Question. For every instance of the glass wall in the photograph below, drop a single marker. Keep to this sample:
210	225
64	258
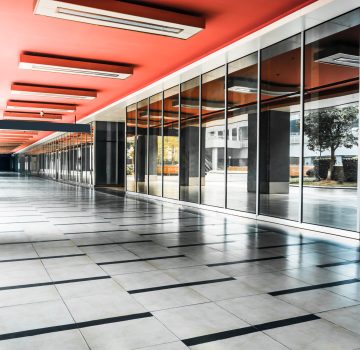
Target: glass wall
155	145
67	158
171	143
141	147
279	129
130	148
331	123
276	137
213	138
242	89
190	141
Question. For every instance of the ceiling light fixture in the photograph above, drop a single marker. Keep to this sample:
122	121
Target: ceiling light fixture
52	92
74	66
123	15
40	107
28	115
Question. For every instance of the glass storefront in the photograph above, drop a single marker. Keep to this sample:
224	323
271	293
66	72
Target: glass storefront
274	133
67	158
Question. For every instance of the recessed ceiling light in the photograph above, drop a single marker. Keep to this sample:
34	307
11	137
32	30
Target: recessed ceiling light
74	66
123	15
28	115
41	107
52	92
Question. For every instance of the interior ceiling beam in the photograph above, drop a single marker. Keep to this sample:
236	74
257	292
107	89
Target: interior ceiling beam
43	126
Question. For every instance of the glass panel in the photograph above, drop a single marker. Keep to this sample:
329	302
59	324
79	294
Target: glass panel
171	143
189	141
279	129
331	122
242	131
130	148
213	138
155	145
141	147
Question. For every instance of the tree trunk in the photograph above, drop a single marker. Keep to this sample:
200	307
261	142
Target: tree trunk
332	163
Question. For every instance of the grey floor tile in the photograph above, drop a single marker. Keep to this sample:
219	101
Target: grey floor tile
28	295
314	275
317	300
100	306
193	274
225	290
169	298
196	320
143	280
31	316
348	318
351	291
127	335
262	308
255	341
65	340
59	273
270	282
315	335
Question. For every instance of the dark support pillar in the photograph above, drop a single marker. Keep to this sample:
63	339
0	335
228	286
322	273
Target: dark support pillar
141	161
189	154
274	152
252	149
153	152
121	154
109	153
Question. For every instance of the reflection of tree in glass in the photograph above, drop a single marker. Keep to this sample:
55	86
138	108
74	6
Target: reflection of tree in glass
331	128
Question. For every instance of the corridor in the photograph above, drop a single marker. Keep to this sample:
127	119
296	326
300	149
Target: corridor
81	269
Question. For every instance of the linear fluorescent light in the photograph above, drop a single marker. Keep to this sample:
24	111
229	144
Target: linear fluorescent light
74	66
29	106
339	55
52	92
123	15
10	114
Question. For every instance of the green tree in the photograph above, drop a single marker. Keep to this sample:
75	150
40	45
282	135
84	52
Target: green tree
331	128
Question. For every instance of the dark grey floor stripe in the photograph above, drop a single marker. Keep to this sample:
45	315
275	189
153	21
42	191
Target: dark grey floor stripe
22	222
147	224
245	261
349	262
247	330
32	332
167	233
199	244
84	223
21	286
128	217
43	257
31	242
102	231
179	285
142	259
286	245
125	242
315	286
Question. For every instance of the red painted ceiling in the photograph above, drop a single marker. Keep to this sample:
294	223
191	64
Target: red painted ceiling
153	56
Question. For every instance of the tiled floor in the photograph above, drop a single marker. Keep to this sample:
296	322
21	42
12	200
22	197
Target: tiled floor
89	270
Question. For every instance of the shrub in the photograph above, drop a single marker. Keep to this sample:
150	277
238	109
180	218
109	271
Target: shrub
350	168
321	168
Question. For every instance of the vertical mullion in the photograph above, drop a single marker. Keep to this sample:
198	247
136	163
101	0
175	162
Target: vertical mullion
179	139
126	123
258	97
200	137
358	178
226	133
147	147
162	143
301	156
135	148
